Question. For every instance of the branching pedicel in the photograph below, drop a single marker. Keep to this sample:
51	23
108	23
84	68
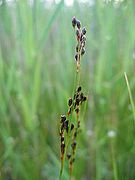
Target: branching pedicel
69	125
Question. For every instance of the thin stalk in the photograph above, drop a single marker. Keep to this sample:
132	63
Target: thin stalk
61	170
114	162
130	96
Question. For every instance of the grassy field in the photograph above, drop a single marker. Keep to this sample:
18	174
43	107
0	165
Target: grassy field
37	70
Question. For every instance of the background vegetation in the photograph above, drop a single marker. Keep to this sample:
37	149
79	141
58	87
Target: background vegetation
36	79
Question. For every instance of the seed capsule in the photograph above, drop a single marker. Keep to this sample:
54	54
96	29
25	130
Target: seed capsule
77	96
74	21
83	38
72	126
70	102
77	48
82	51
73	145
63	118
66	125
84	31
77	33
62	139
84	98
77	102
78	23
77	110
68	156
62	148
79	89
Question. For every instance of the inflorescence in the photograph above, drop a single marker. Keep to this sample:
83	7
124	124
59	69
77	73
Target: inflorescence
69	129
81	41
70	124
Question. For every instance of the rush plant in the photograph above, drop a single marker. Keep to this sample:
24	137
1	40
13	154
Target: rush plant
70	122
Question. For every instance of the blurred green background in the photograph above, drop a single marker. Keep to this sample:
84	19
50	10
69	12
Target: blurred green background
37	70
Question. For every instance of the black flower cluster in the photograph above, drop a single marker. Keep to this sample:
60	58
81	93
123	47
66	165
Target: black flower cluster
69	124
78	99
81	39
69	128
64	128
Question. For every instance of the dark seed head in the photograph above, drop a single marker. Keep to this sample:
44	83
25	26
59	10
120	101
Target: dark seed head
68	156
79	89
84	31
63	118
77	102
72	126
78	23
62	148
82	51
83	38
77	48
66	125
70	102
84	98
73	145
77	33
62	139
74	21
77	110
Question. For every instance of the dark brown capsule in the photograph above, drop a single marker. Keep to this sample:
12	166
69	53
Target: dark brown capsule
68	156
84	98
77	33
66	125
77	48
82	51
83	38
77	96
62	148
63	118
77	102
74	21
84	31
73	145
62	139
72	126
78	23
77	110
70	102
62	126
79	89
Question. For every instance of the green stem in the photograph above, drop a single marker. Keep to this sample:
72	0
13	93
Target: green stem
61	170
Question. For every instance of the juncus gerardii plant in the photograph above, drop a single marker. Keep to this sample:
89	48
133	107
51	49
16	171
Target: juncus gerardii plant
70	124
